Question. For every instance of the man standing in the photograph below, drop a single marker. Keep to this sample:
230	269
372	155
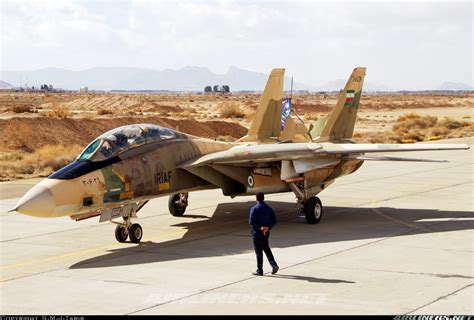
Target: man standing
262	219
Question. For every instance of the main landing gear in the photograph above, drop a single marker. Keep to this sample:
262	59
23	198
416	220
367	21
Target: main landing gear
178	203
128	230
313	210
311	207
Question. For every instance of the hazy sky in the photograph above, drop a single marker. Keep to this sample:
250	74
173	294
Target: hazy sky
404	45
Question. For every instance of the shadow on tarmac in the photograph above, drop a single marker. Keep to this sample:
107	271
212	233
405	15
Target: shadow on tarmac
204	238
309	279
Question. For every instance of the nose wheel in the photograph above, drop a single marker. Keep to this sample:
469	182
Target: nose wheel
128	230
135	233
121	233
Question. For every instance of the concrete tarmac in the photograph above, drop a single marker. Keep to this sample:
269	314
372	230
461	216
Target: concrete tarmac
395	238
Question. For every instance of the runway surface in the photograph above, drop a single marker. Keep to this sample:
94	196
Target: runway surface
395	238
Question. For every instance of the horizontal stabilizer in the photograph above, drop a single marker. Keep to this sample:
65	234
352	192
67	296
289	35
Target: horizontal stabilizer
333	148
385	158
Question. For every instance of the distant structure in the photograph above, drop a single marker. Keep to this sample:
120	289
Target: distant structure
84	90
221	89
46	87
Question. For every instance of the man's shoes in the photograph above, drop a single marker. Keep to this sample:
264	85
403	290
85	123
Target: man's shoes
275	269
258	273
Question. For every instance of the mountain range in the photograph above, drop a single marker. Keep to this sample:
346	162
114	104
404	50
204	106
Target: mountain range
5	85
129	78
190	78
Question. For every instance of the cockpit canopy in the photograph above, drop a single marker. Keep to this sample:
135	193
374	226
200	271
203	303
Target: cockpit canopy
121	139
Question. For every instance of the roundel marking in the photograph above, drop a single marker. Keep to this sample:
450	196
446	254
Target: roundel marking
250	181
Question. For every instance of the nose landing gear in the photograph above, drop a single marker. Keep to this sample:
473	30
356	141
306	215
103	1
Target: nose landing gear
128	230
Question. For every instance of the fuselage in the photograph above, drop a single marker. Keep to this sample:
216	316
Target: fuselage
112	172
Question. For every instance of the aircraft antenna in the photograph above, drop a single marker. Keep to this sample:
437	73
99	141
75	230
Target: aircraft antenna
291	88
293	109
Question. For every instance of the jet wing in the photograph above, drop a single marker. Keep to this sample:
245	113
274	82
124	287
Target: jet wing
254	153
258	153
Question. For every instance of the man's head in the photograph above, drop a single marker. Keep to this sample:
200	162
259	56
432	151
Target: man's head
260	196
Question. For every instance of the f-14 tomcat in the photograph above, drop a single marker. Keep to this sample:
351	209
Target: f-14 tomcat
121	170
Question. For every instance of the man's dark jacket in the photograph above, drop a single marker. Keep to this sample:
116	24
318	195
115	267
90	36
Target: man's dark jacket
261	215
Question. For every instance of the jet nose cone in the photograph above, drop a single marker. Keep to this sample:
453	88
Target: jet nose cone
38	202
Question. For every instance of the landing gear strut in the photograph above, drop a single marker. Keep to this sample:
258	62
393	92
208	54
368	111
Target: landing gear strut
128	230
310	206
178	203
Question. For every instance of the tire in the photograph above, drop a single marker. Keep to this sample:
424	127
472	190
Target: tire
174	208
121	233
313	210
135	233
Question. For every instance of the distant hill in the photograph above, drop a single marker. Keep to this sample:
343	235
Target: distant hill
189	78
5	85
336	85
454	86
127	78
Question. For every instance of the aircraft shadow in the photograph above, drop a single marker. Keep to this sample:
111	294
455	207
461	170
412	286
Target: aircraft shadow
227	232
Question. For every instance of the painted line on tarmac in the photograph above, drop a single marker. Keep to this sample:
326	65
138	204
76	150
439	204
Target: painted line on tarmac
288	267
377	211
47	261
404	174
113	246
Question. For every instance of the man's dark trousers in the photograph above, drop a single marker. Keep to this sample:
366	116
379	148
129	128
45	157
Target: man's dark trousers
260	243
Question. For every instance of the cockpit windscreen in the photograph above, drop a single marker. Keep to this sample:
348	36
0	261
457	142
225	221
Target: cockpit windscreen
124	138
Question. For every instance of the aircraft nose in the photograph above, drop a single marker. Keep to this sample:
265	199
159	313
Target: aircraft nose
38	202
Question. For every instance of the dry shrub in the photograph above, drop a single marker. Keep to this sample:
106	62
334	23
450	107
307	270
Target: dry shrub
415	136
453	124
185	114
413	121
230	110
412	127
47	159
18	136
58	110
103	111
250	104
22	109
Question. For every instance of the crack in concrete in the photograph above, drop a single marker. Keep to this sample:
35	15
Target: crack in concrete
440	298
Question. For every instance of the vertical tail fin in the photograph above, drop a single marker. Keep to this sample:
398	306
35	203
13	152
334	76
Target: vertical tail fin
340	123
267	120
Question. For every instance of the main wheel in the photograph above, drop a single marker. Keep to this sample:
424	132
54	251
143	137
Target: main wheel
135	233
121	233
174	207
313	210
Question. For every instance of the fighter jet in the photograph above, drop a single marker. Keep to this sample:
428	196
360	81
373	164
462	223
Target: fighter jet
121	170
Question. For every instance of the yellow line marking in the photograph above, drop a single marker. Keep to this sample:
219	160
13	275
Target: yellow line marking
46	261
110	246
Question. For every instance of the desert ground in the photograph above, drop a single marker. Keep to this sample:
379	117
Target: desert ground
41	132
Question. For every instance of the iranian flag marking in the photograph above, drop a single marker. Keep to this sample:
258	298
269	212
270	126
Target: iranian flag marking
350	94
